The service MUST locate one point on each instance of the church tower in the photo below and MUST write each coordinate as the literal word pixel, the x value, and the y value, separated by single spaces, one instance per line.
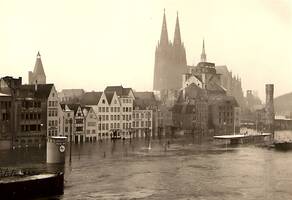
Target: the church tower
pixel 170 60
pixel 162 58
pixel 203 54
pixel 38 75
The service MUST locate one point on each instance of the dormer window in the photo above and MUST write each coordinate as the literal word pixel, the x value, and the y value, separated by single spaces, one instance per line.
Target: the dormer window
pixel 103 101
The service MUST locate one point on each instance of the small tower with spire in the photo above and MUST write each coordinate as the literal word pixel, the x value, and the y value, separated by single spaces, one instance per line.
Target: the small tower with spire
pixel 38 75
pixel 203 54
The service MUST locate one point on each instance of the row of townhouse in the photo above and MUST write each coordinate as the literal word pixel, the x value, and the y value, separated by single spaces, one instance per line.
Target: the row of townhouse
pixel 115 112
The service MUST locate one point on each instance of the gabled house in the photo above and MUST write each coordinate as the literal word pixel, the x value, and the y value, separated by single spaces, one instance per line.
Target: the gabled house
pixel 90 127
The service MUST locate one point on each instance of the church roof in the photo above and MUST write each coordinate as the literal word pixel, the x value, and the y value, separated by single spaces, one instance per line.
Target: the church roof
pixel 38 67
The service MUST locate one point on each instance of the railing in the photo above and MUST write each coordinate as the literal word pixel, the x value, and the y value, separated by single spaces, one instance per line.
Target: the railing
pixel 8 172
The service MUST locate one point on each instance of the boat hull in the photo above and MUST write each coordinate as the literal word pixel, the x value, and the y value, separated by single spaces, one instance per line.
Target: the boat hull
pixel 283 146
pixel 25 188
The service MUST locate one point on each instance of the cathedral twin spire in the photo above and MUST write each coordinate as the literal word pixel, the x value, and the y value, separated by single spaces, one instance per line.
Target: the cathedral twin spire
pixel 164 34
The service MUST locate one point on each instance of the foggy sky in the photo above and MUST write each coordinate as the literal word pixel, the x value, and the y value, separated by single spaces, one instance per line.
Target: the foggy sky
pixel 91 44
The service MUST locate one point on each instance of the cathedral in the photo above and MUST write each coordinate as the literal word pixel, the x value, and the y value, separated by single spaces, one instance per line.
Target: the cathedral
pixel 170 66
pixel 170 60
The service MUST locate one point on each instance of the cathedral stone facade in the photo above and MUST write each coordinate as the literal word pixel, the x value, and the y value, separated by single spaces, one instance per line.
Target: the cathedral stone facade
pixel 170 60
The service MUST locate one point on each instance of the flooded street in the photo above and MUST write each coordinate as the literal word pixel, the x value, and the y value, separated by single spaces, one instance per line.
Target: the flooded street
pixel 182 169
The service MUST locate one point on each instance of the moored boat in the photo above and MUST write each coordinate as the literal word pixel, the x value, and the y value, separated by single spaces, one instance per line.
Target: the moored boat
pixel 284 146
pixel 21 186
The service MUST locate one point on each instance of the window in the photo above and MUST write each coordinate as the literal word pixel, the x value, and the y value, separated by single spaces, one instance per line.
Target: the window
pixel 106 109
pixel 79 128
pixel 66 129
pixel 111 109
pixel 103 109
pixel 142 123
pixel 103 101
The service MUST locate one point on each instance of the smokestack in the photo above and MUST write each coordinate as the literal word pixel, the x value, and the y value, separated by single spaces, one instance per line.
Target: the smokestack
pixel 269 108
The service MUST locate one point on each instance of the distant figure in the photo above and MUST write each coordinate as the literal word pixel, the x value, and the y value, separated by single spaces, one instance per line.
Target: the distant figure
pixel 104 154
pixel 168 143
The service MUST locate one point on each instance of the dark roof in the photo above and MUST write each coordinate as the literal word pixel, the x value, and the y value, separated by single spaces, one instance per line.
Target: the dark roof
pixel 90 98
pixel 63 106
pixel 74 107
pixel 42 91
pixel 120 90
pixel 145 99
pixel 109 96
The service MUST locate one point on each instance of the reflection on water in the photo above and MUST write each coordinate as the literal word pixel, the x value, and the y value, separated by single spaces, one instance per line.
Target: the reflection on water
pixel 173 168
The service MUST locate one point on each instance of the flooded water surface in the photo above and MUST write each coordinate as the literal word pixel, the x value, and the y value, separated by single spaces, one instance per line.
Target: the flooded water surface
pixel 177 168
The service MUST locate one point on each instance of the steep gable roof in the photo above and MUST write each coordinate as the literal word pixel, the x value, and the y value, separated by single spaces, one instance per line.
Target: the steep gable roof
pixel 109 96
pixel 74 107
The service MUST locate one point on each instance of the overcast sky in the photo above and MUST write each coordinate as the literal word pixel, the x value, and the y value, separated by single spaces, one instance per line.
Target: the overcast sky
pixel 91 44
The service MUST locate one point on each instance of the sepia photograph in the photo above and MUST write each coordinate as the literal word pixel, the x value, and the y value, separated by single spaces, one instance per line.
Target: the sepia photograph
pixel 146 100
